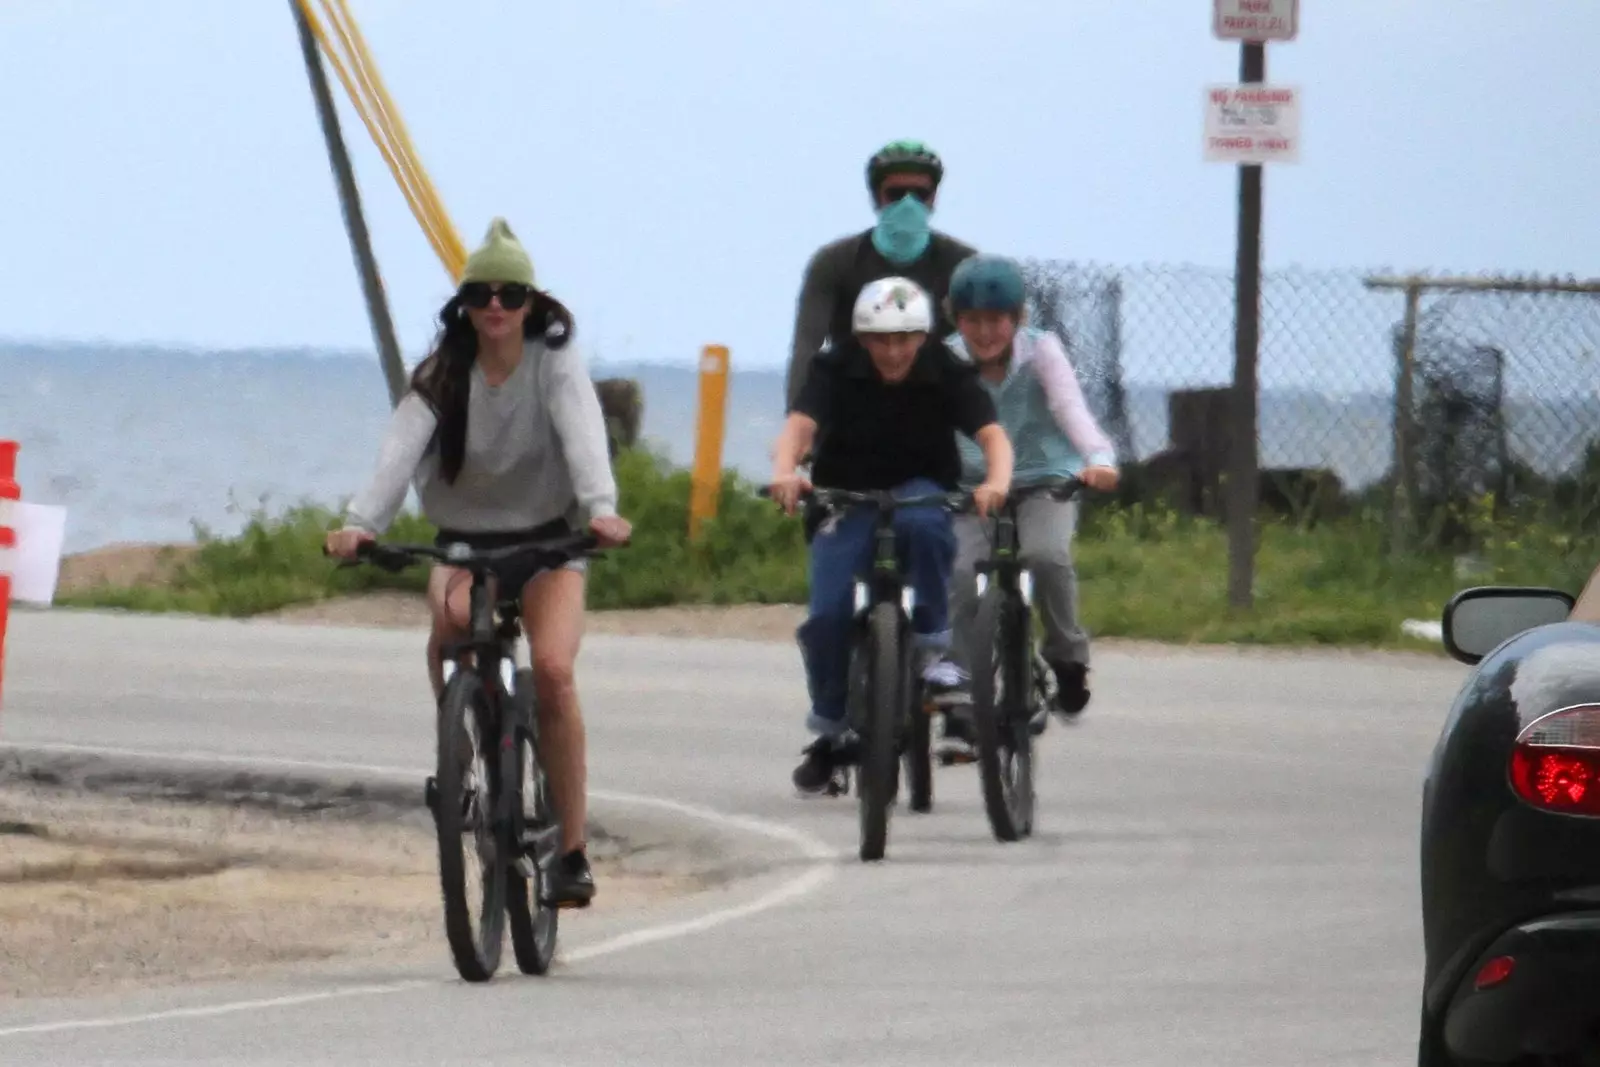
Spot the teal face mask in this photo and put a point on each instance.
(902, 232)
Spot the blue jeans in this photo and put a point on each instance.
(840, 552)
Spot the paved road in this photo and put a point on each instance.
(1224, 871)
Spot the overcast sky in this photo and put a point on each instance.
(671, 163)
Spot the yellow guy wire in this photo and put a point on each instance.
(395, 125)
(372, 128)
(446, 229)
(383, 136)
(439, 236)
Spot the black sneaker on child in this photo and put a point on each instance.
(816, 772)
(1072, 693)
(571, 881)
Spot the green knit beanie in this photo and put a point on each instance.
(501, 258)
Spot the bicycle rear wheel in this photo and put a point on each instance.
(474, 919)
(534, 924)
(876, 777)
(1001, 685)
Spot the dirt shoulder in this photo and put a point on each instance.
(101, 892)
(154, 564)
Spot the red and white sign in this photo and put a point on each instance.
(1252, 124)
(1255, 20)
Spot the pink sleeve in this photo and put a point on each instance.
(1067, 404)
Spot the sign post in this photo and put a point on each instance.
(1249, 124)
(706, 480)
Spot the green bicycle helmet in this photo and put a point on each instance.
(900, 157)
(986, 283)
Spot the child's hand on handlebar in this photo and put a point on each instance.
(1102, 478)
(786, 490)
(343, 543)
(988, 497)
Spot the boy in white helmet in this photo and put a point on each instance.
(880, 414)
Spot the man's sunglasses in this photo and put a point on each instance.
(891, 193)
(512, 296)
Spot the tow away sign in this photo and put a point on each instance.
(1255, 20)
(1252, 124)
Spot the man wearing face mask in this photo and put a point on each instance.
(903, 178)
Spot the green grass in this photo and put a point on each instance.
(1143, 572)
(749, 553)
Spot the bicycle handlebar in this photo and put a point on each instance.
(960, 502)
(395, 557)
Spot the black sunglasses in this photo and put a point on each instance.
(891, 193)
(478, 294)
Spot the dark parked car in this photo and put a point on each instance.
(1511, 836)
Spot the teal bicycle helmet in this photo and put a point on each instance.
(987, 283)
(903, 157)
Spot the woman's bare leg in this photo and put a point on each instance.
(552, 615)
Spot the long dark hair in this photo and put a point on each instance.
(444, 377)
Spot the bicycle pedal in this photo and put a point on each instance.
(430, 794)
(525, 867)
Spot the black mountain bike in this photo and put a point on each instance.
(489, 782)
(1012, 686)
(886, 712)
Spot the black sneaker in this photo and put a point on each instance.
(818, 771)
(946, 683)
(571, 881)
(960, 741)
(1072, 695)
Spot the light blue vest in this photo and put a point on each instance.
(1042, 449)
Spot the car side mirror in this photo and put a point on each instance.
(1480, 619)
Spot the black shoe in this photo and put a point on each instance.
(818, 772)
(960, 741)
(571, 883)
(1072, 694)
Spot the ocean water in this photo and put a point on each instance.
(140, 444)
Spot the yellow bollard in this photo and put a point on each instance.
(706, 481)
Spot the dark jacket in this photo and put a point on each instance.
(835, 276)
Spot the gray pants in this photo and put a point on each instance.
(1044, 528)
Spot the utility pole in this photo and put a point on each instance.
(355, 224)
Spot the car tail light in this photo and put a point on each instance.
(1555, 764)
(1494, 972)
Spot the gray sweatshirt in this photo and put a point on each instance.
(536, 451)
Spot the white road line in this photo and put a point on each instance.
(820, 870)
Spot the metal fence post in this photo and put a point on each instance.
(1403, 507)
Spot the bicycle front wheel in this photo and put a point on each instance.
(876, 779)
(1001, 684)
(472, 876)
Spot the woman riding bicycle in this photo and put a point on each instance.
(502, 431)
(883, 412)
(1054, 435)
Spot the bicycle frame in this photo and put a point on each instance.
(491, 641)
(884, 582)
(1005, 559)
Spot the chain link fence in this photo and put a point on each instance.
(1466, 388)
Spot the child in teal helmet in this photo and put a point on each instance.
(1042, 409)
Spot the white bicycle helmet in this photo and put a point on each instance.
(892, 305)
